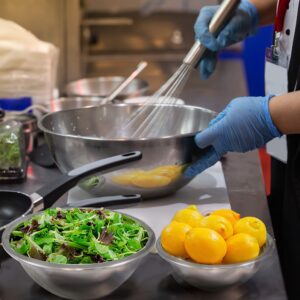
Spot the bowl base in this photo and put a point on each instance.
(186, 284)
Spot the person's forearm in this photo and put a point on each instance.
(285, 112)
(266, 10)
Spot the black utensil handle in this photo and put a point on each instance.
(51, 192)
(108, 201)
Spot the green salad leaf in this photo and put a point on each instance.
(78, 236)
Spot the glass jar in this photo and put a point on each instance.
(12, 151)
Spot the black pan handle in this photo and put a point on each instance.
(108, 201)
(51, 192)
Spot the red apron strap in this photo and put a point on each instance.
(280, 14)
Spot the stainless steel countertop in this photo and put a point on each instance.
(152, 280)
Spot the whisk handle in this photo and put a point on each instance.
(218, 21)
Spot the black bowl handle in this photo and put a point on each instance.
(51, 192)
(107, 201)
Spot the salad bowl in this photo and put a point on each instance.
(81, 280)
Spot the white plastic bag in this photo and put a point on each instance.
(28, 66)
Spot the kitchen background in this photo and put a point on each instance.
(102, 37)
(110, 37)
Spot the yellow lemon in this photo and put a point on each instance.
(126, 178)
(229, 214)
(172, 238)
(148, 180)
(241, 247)
(188, 216)
(219, 224)
(205, 246)
(252, 226)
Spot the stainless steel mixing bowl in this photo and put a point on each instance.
(76, 137)
(216, 277)
(65, 103)
(103, 87)
(79, 281)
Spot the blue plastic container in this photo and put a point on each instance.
(15, 103)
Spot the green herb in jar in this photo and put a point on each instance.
(12, 151)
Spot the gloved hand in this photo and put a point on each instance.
(244, 125)
(243, 23)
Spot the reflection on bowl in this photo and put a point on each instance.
(215, 277)
(153, 178)
(92, 182)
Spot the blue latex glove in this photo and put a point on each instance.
(244, 125)
(243, 23)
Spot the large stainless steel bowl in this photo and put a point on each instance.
(77, 136)
(79, 281)
(216, 277)
(104, 86)
(65, 103)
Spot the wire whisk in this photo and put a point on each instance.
(153, 118)
(158, 109)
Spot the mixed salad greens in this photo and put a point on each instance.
(78, 236)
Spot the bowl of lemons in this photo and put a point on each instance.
(216, 251)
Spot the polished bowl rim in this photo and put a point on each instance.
(270, 247)
(90, 138)
(48, 265)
